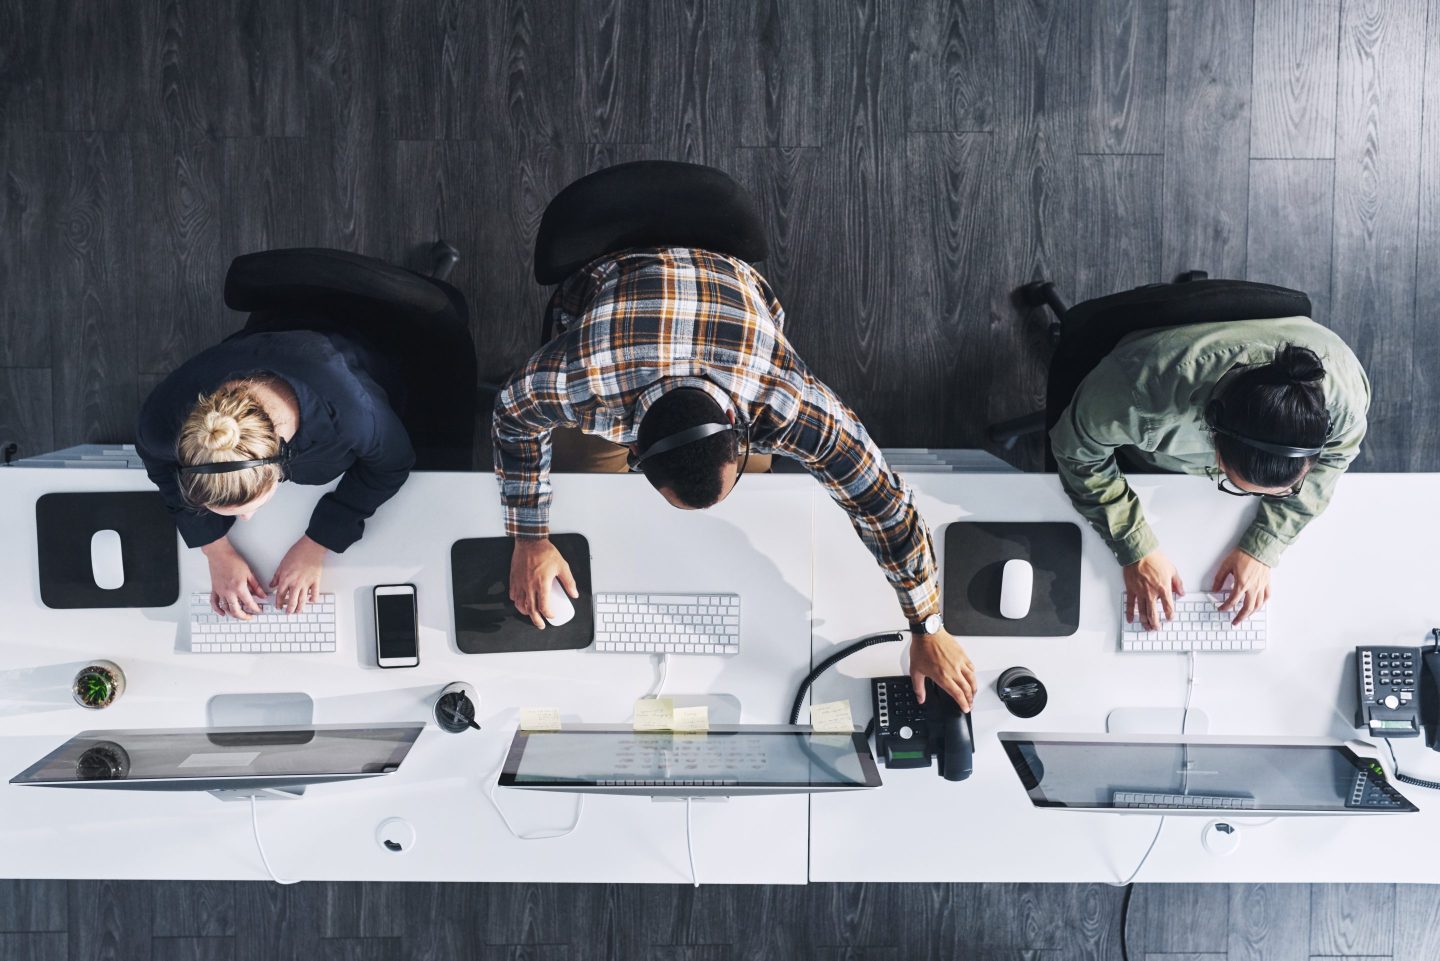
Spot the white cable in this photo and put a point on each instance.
(690, 844)
(659, 684)
(255, 826)
(494, 780)
(1185, 772)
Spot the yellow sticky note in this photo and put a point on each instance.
(832, 717)
(539, 719)
(691, 719)
(654, 714)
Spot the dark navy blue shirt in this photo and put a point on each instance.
(347, 427)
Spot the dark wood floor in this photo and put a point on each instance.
(915, 161)
(174, 921)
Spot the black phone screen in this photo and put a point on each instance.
(395, 625)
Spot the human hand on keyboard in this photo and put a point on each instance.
(1151, 584)
(297, 579)
(1249, 583)
(234, 589)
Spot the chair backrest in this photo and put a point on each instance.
(320, 278)
(1090, 330)
(649, 203)
(419, 325)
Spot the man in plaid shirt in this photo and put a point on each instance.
(653, 341)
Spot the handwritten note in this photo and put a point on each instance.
(691, 719)
(654, 714)
(539, 719)
(832, 717)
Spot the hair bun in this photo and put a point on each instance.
(1300, 365)
(220, 433)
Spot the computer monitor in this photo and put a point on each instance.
(726, 761)
(230, 761)
(1199, 774)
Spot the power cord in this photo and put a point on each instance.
(1128, 883)
(255, 826)
(690, 843)
(494, 780)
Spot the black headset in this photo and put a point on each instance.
(689, 436)
(1215, 408)
(282, 458)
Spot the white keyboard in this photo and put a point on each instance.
(272, 631)
(1145, 799)
(1198, 626)
(668, 623)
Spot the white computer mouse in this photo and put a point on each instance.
(1017, 583)
(106, 565)
(562, 610)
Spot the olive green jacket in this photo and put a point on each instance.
(1148, 396)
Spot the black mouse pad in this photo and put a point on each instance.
(485, 620)
(975, 556)
(64, 525)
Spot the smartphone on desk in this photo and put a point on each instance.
(397, 626)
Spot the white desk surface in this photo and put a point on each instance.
(1363, 573)
(1337, 588)
(757, 544)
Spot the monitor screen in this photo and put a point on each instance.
(202, 758)
(740, 759)
(1199, 774)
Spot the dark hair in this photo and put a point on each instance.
(1281, 402)
(691, 471)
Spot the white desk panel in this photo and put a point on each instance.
(1362, 573)
(756, 544)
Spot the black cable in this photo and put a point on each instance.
(831, 661)
(1125, 923)
(1418, 782)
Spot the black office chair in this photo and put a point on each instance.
(649, 203)
(419, 324)
(1082, 335)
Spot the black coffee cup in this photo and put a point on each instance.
(1021, 692)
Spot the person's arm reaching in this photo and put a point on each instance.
(831, 443)
(531, 404)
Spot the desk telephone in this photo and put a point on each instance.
(908, 734)
(1397, 692)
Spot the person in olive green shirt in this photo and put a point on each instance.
(1187, 399)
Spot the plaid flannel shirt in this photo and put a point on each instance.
(636, 323)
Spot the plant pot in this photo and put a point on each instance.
(98, 684)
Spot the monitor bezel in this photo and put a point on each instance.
(212, 782)
(1009, 741)
(859, 742)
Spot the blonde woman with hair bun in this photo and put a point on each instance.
(222, 433)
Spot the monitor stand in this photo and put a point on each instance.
(290, 709)
(1156, 720)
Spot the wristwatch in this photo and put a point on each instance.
(930, 625)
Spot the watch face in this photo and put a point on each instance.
(931, 624)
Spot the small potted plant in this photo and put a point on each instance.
(98, 684)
